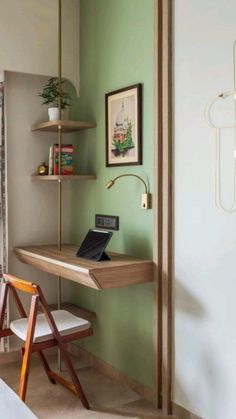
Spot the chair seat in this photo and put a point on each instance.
(66, 322)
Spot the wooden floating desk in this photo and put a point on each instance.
(120, 271)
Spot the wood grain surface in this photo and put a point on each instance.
(120, 271)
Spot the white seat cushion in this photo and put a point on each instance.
(66, 323)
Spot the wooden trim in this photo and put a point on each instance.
(163, 228)
(157, 206)
(106, 369)
(167, 226)
(182, 413)
(110, 371)
(144, 391)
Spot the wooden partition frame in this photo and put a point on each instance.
(163, 205)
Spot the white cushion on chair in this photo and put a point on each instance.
(66, 322)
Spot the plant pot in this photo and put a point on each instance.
(53, 114)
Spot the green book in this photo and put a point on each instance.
(50, 163)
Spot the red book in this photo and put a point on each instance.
(67, 167)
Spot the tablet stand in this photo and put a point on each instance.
(94, 244)
(104, 256)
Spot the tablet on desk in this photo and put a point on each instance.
(94, 244)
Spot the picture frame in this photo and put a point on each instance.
(124, 126)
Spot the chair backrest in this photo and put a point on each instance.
(21, 284)
(15, 284)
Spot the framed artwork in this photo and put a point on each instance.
(124, 126)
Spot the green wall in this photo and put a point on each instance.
(116, 50)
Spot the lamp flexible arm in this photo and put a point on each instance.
(130, 174)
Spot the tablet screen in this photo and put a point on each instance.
(94, 244)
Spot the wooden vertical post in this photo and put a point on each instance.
(167, 207)
(59, 185)
(157, 205)
(163, 210)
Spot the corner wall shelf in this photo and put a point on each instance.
(74, 309)
(67, 126)
(62, 178)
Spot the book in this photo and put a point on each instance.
(50, 160)
(67, 167)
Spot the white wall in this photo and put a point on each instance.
(205, 237)
(32, 205)
(29, 37)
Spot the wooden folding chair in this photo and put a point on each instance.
(42, 331)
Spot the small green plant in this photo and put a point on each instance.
(51, 94)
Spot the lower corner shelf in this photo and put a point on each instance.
(76, 310)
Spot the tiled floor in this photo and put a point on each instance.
(107, 398)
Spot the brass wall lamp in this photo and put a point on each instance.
(146, 197)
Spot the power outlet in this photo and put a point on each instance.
(110, 222)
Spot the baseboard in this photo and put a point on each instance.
(112, 372)
(182, 413)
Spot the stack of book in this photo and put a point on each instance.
(67, 164)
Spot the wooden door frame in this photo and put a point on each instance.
(163, 205)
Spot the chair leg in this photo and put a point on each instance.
(27, 350)
(24, 373)
(73, 375)
(46, 366)
(76, 384)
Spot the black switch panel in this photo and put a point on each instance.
(110, 222)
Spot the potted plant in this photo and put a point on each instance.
(51, 94)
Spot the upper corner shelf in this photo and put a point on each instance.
(67, 126)
(62, 177)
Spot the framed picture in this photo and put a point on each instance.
(124, 126)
